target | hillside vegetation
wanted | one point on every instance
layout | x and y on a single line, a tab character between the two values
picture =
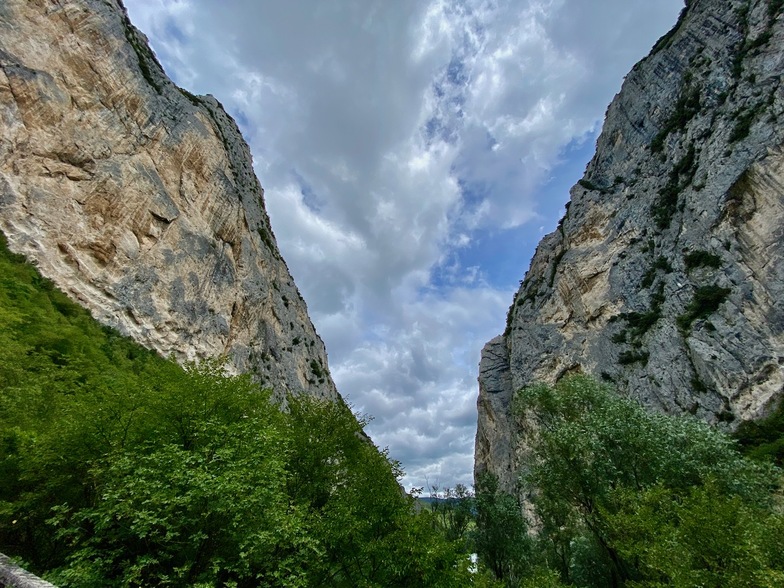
119	468
625	497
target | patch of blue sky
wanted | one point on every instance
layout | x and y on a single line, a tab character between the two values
502	256
437	129
172	31
456	72
447	120
309	196
554	193
496	258
473	192
242	120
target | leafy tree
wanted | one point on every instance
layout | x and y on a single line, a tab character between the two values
501	537
356	509
698	537
595	453
198	498
64	400
453	509
764	440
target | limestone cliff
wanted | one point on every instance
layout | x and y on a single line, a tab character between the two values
139	199
666	275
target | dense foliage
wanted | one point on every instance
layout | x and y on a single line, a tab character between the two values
764	440
118	468
626	497
501	538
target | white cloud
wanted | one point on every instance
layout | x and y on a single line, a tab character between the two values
389	137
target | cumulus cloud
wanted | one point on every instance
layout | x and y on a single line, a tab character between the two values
392	138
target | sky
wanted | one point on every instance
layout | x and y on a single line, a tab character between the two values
413	153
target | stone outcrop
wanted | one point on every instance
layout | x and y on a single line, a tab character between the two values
665	277
139	199
12	576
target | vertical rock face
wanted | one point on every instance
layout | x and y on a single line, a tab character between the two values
139	199
666	275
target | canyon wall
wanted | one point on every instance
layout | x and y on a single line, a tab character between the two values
665	277
139	199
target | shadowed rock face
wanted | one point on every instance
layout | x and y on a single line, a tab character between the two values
666	275
139	199
12	576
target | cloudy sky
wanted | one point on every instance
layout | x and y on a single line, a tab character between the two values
413	153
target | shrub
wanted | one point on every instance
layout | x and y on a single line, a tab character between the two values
701	258
742	126
764	439
554	267
588	185
686	107
680	176
706	301
631	357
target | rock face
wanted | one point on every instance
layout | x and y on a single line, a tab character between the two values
139	199
666	275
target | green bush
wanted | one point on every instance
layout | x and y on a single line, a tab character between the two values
639	323
686	108
649	276
632	357
742	126
681	175
706	301
774	8
701	258
588	185
764	439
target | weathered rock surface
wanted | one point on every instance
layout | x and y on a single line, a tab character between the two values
666	275
139	200
12	576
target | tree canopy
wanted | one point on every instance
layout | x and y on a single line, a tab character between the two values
626	497
119	468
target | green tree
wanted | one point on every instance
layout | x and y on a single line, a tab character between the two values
593	450
453	509
698	537
196	495
356	509
501	538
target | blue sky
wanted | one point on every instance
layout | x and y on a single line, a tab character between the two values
413	153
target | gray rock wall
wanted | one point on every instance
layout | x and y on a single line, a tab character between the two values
665	275
139	199
12	576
